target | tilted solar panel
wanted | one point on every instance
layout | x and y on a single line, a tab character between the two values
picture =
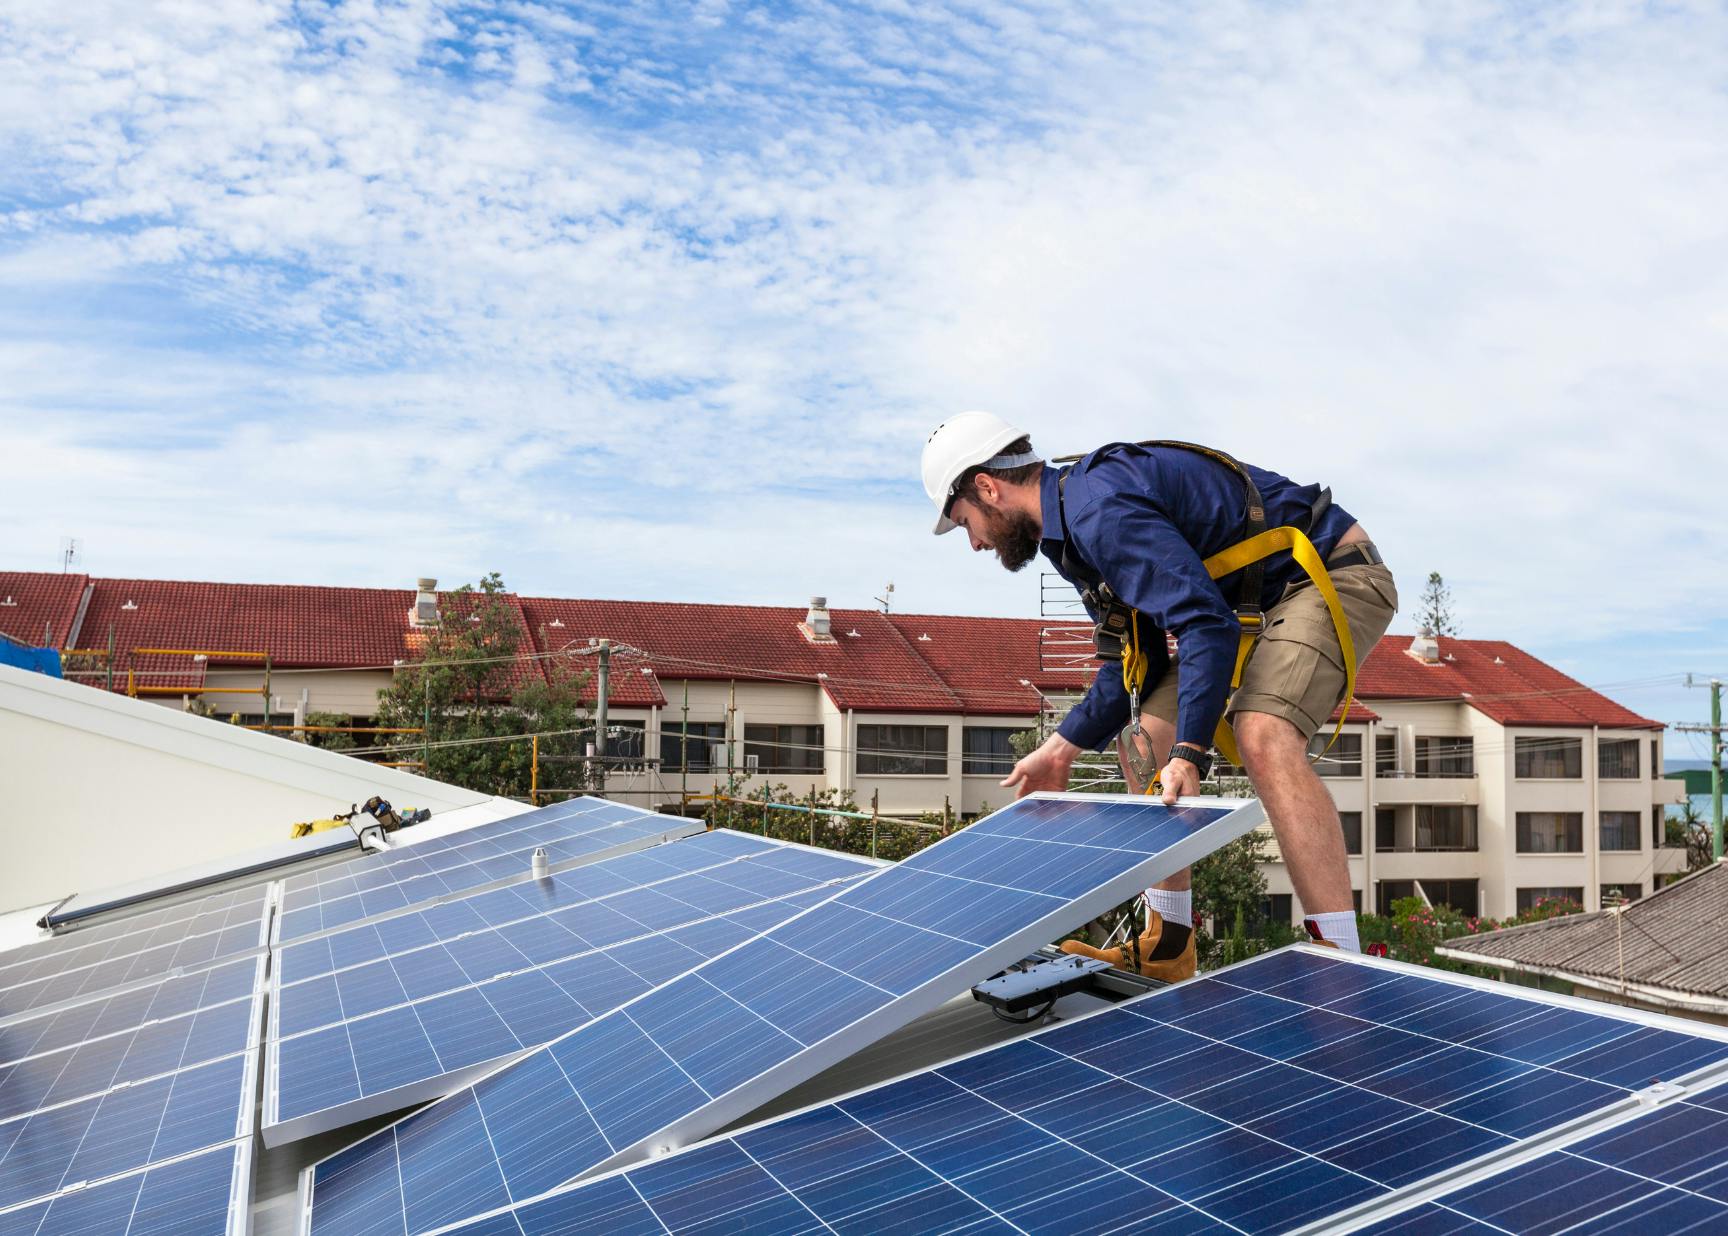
204	1194
683	1059
133	960
33	1034
579	831
1272	1095
144	920
1661	1170
382	1034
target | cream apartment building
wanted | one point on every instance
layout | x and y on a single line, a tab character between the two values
1469	772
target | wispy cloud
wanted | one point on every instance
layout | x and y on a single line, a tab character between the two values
645	299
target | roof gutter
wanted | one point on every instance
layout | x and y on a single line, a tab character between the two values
1661	997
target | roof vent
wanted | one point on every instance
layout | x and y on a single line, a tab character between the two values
924	638
817	627
130	605
852	634
556	622
8	603
425	611
1425	648
1498	661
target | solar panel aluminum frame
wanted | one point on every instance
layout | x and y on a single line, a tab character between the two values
683	828
239	1183
1242	817
279	1133
1352	1218
266	926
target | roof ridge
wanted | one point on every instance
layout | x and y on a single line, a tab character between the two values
929	669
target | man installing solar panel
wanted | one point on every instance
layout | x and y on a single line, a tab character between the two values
1274	595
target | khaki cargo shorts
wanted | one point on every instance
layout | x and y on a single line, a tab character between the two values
1296	669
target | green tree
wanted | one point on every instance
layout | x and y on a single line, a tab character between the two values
1434	610
479	700
1691	830
333	741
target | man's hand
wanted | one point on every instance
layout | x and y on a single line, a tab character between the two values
1179	779
1047	768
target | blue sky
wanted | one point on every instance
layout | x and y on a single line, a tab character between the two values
659	301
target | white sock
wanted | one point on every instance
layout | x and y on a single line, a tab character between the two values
1339	928
1172	906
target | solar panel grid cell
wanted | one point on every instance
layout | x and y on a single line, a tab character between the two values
131	924
1157	1111
46	1032
683	1056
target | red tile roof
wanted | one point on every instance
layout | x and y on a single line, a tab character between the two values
1501	681
38	608
916	663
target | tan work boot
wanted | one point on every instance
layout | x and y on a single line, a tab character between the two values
1171	969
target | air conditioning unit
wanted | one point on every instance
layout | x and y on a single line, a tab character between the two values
751	763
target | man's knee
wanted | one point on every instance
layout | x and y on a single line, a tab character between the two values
1265	740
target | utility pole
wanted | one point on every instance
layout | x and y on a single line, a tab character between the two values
684	754
605	659
1714	729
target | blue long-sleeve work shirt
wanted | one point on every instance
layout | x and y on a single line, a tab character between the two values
1143	519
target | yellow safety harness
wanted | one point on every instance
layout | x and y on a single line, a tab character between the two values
1118	630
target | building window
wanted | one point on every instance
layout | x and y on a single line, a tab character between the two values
1445	827
1273	908
1548	757
902	750
1356	900
1459	894
1621	894
1388	891
1550	832
1385	829
1655	760
690	747
627	742
988	749
1385	755
1530	898
1343	760
1617	759
1445	757
1620	830
786	748
1352	822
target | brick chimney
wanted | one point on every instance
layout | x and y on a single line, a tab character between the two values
817	627
425	611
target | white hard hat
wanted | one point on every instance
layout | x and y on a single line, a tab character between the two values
966	440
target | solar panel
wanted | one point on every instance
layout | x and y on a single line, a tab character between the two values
1250	1100
683	1059
145	920
384	1033
579	831
1663	1170
33	1034
204	1194
81	972
45	1077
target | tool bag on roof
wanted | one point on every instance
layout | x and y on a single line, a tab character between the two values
1116	632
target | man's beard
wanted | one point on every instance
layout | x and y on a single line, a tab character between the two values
1015	537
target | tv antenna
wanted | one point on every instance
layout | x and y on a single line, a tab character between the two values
70	549
886	600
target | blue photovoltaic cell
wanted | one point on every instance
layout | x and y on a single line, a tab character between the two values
122	1130
1663	1171
361	889
84	970
1242	1102
188	1197
96	1018
498	992
907	936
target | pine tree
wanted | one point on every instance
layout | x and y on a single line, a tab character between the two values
1435	614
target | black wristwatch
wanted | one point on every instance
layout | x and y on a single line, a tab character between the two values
1201	760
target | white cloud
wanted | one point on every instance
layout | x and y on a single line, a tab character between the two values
635	302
